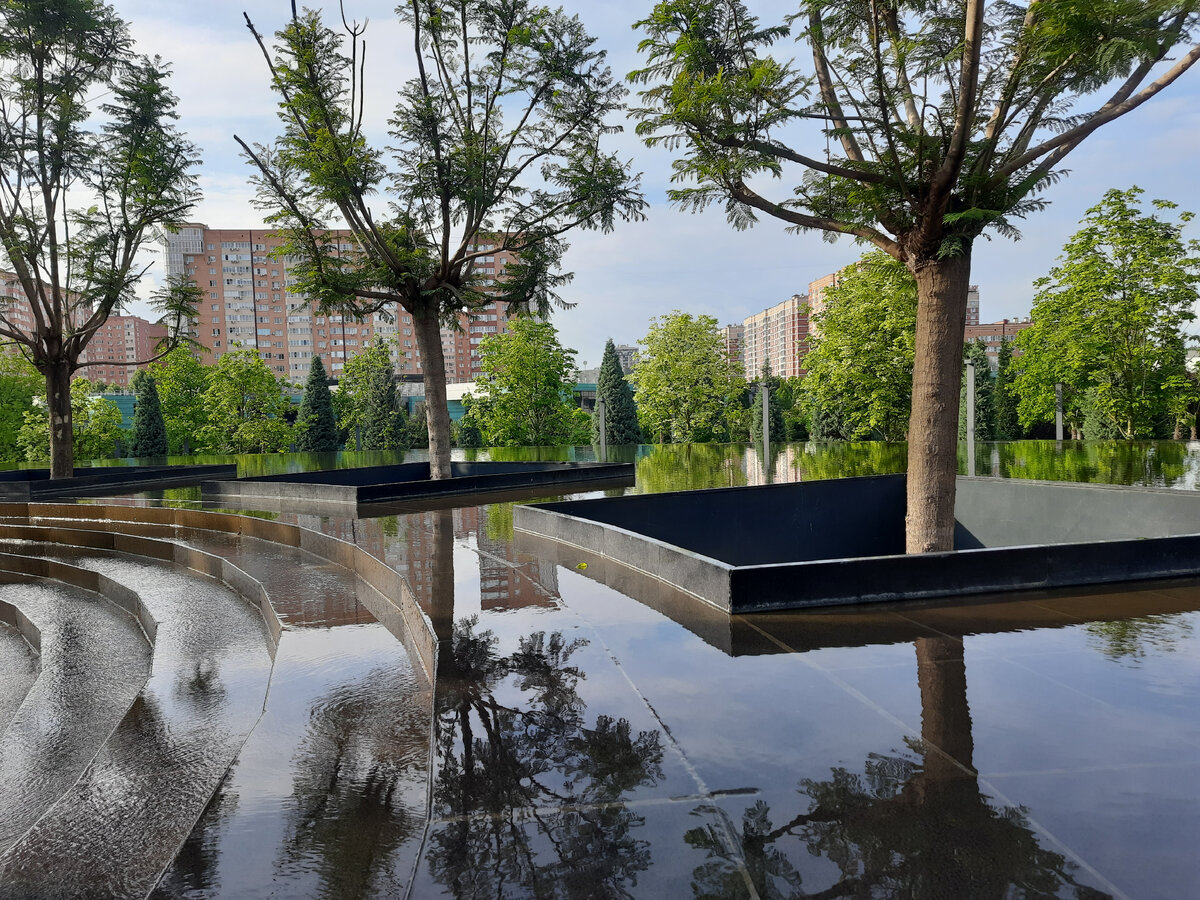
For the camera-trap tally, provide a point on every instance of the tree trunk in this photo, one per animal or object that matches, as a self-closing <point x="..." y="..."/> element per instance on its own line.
<point x="62" y="426"/>
<point x="437" y="413"/>
<point x="933" y="427"/>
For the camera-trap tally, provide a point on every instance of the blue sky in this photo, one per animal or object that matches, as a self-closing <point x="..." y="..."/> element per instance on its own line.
<point x="673" y="260"/>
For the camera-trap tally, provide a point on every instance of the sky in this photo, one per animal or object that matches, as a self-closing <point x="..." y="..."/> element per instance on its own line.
<point x="673" y="260"/>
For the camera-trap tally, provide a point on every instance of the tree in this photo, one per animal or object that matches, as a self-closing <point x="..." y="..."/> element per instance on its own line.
<point x="620" y="412"/>
<point x="1006" y="426"/>
<point x="316" y="428"/>
<point x="682" y="378"/>
<point x="1108" y="320"/>
<point x="181" y="381"/>
<point x="372" y="409"/>
<point x="941" y="120"/>
<point x="96" y="426"/>
<point x="976" y="354"/>
<point x="774" y="384"/>
<point x="246" y="407"/>
<point x="496" y="140"/>
<point x="19" y="384"/>
<point x="860" y="358"/>
<point x="77" y="264"/>
<point x="525" y="392"/>
<point x="149" y="429"/>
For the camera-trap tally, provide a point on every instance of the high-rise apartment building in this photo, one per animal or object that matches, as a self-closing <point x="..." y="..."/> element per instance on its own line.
<point x="734" y="335"/>
<point x="626" y="356"/>
<point x="993" y="334"/>
<point x="112" y="352"/>
<point x="248" y="300"/>
<point x="777" y="336"/>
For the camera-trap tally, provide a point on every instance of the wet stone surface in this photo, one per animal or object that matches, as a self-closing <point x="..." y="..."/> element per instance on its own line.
<point x="123" y="821"/>
<point x="19" y="665"/>
<point x="95" y="661"/>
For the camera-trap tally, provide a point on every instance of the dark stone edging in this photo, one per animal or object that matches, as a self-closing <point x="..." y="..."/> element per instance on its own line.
<point x="15" y="617"/>
<point x="92" y="481"/>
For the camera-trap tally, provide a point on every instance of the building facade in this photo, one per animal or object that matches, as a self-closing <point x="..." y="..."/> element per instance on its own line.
<point x="734" y="336"/>
<point x="249" y="300"/>
<point x="777" y="336"/>
<point x="993" y="334"/>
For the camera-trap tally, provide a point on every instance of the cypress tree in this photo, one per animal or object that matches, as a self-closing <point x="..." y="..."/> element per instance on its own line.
<point x="149" y="430"/>
<point x="620" y="414"/>
<point x="1008" y="426"/>
<point x="317" y="426"/>
<point x="385" y="426"/>
<point x="976" y="352"/>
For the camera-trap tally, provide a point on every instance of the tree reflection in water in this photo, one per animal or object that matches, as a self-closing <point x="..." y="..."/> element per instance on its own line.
<point x="906" y="827"/>
<point x="528" y="797"/>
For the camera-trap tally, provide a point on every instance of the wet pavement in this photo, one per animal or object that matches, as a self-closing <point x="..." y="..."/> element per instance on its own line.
<point x="583" y="742"/>
<point x="19" y="665"/>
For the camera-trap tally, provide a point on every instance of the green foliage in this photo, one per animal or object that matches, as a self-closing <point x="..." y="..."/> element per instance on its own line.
<point x="985" y="414"/>
<point x="149" y="429"/>
<point x="1108" y="320"/>
<point x="20" y="383"/>
<point x="1006" y="426"/>
<point x="682" y="379"/>
<point x="181" y="381"/>
<point x="77" y="264"/>
<point x="497" y="139"/>
<point x="620" y="413"/>
<point x="96" y="433"/>
<point x="860" y="361"/>
<point x="246" y="405"/>
<point x="524" y="396"/>
<point x="372" y="408"/>
<point x="775" y="385"/>
<point x="316" y="429"/>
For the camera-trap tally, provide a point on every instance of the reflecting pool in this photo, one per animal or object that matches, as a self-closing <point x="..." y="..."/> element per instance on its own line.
<point x="585" y="741"/>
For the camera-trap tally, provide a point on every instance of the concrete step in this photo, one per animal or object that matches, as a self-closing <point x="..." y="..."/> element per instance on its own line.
<point x="19" y="660"/>
<point x="122" y="822"/>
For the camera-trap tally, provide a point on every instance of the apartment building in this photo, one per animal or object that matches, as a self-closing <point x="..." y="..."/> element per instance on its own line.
<point x="113" y="351"/>
<point x="250" y="300"/>
<point x="734" y="336"/>
<point x="777" y="336"/>
<point x="994" y="334"/>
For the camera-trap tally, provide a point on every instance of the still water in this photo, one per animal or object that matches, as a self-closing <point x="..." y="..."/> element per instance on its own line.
<point x="582" y="741"/>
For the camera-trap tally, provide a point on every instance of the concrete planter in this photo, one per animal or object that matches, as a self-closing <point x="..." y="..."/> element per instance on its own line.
<point x="103" y="481"/>
<point x="826" y="543"/>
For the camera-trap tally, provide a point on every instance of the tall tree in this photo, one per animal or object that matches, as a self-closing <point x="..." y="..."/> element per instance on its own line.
<point x="525" y="391"/>
<point x="620" y="412"/>
<point x="96" y="426"/>
<point x="181" y="381"/>
<point x="683" y="382"/>
<point x="372" y="411"/>
<point x="985" y="392"/>
<point x="775" y="403"/>
<point x="246" y="407"/>
<point x="316" y="428"/>
<point x="1108" y="320"/>
<point x="860" y="358"/>
<point x="1006" y="426"/>
<point x="78" y="263"/>
<point x="149" y="429"/>
<point x="495" y="145"/>
<point x="941" y="120"/>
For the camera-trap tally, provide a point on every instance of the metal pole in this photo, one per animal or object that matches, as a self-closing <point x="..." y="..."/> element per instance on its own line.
<point x="600" y="411"/>
<point x="1058" y="423"/>
<point x="766" y="429"/>
<point x="970" y="418"/>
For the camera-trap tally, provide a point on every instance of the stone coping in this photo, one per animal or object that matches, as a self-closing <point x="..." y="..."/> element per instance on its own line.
<point x="826" y="543"/>
<point x="154" y="531"/>
<point x="366" y="489"/>
<point x="96" y="481"/>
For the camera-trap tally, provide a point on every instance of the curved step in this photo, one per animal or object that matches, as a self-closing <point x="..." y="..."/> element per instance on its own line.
<point x="120" y="824"/>
<point x="94" y="662"/>
<point x="20" y="643"/>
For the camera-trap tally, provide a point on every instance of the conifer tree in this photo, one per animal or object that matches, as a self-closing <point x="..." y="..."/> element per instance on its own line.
<point x="976" y="352"/>
<point x="384" y="423"/>
<point x="1004" y="403"/>
<point x="149" y="429"/>
<point x="620" y="412"/>
<point x="315" y="425"/>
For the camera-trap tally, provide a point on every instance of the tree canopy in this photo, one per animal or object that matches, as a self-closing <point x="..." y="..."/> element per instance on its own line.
<point x="1108" y="320"/>
<point x="524" y="396"/>
<point x="371" y="410"/>
<point x="77" y="205"/>
<point x="181" y="381"/>
<point x="20" y="382"/>
<point x="96" y="431"/>
<point x="149" y="429"/>
<point x="494" y="145"/>
<point x="860" y="358"/>
<point x="316" y="428"/>
<point x="247" y="409"/>
<point x="939" y="120"/>
<point x="682" y="378"/>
